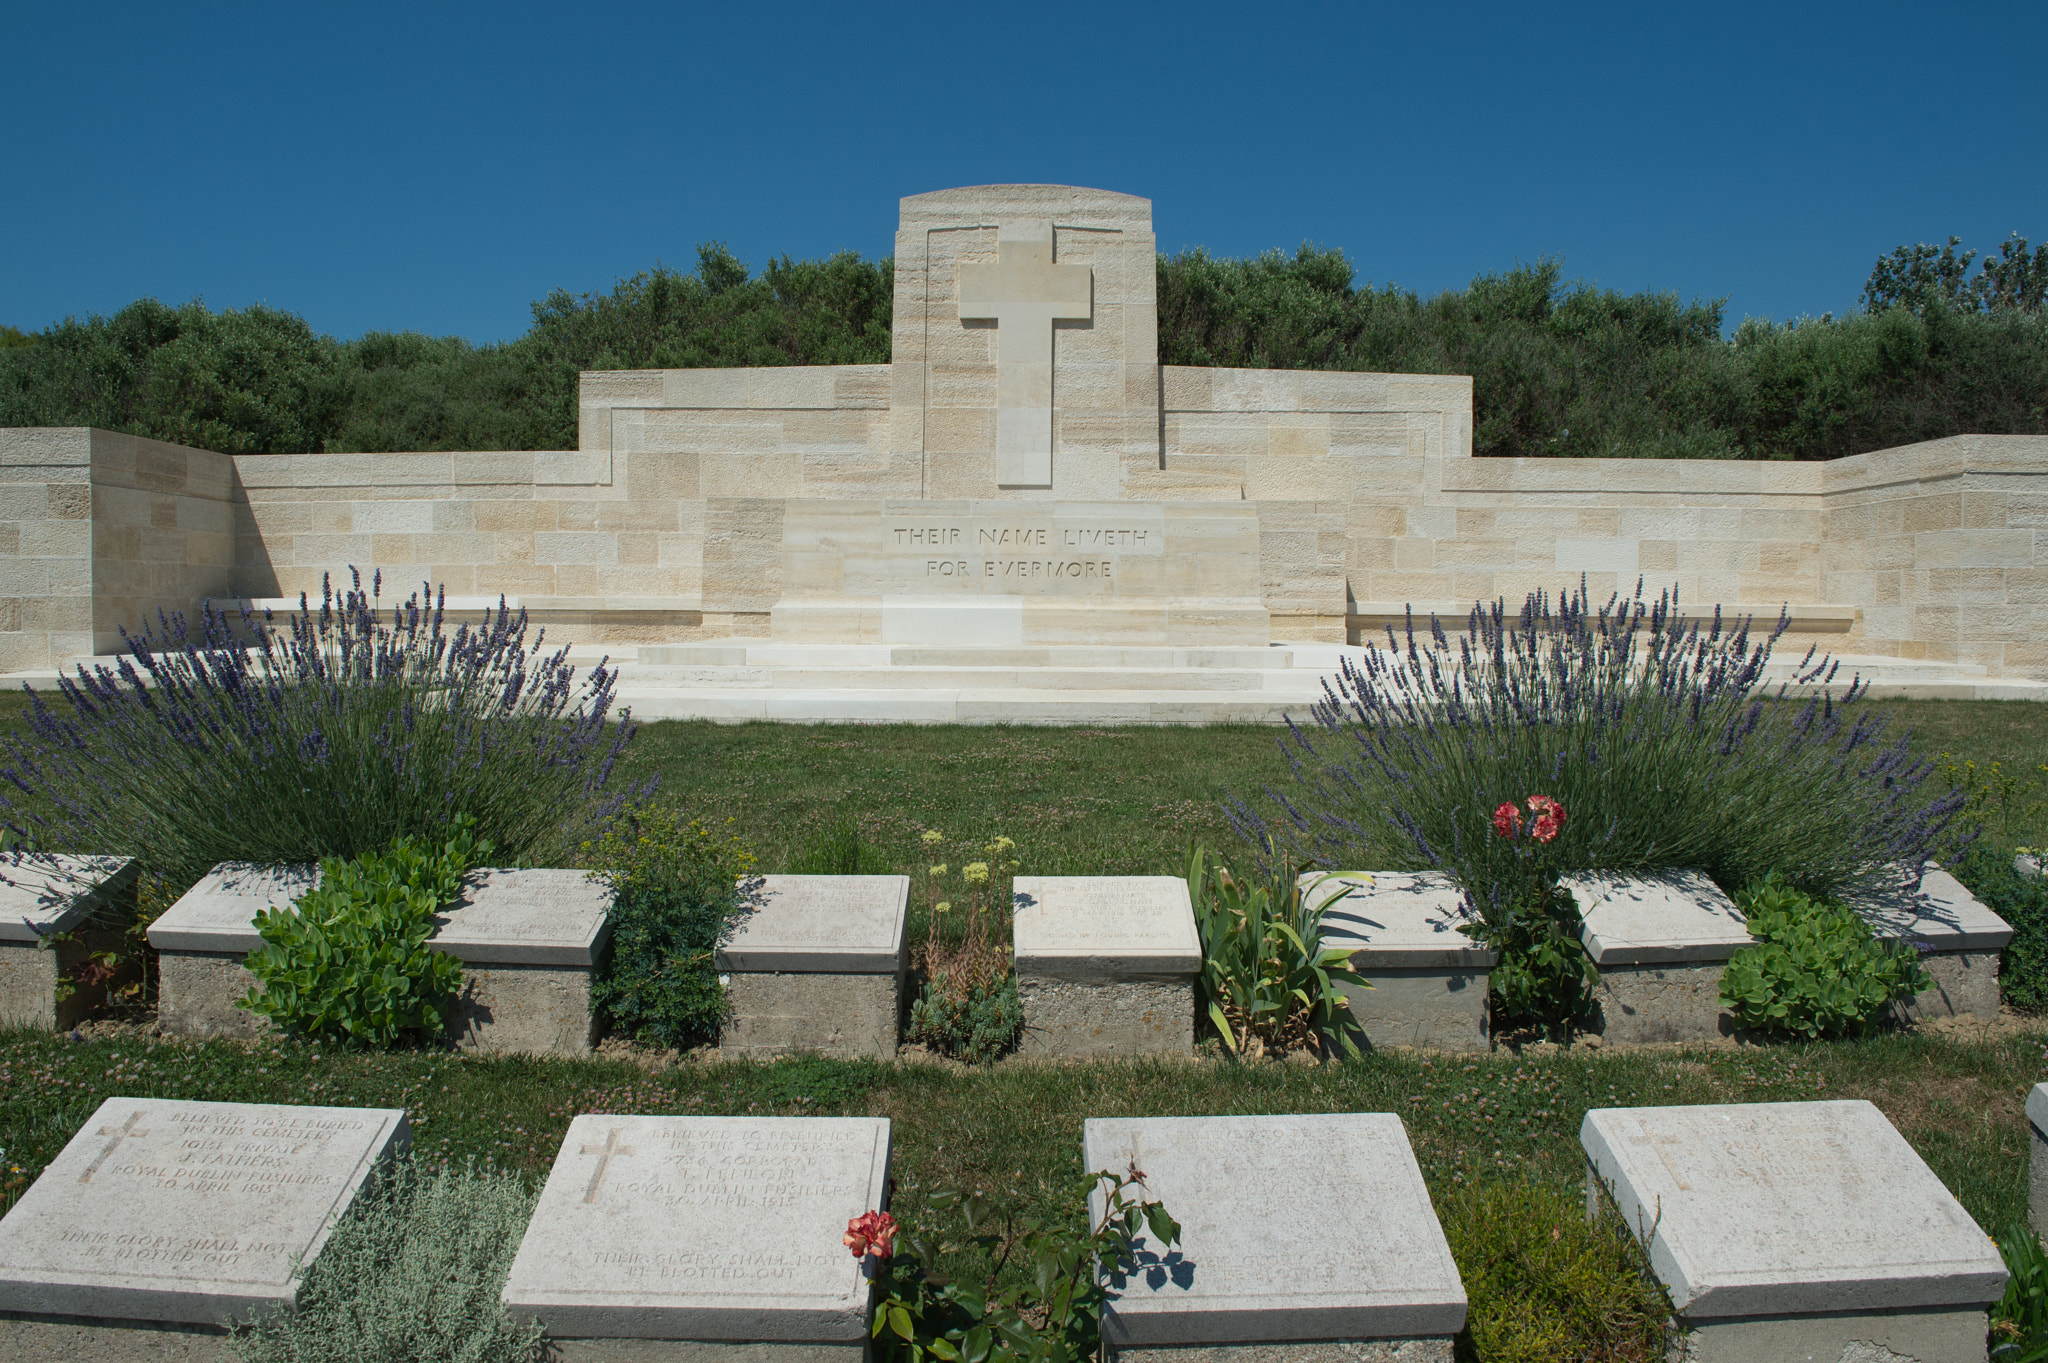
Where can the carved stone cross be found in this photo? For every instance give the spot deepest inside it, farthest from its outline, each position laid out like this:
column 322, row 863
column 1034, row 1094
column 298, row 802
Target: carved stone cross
column 610, row 1147
column 1025, row 292
column 118, row 1133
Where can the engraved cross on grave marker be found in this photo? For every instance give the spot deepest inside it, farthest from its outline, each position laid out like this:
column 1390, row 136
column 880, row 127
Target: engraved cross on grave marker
column 118, row 1133
column 1025, row 292
column 610, row 1147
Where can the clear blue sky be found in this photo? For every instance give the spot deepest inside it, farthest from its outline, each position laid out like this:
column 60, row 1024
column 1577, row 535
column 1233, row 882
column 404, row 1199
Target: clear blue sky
column 437, row 167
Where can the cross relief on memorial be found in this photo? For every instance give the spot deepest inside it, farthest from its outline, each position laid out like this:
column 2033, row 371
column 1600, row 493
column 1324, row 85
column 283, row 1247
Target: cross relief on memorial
column 1024, row 292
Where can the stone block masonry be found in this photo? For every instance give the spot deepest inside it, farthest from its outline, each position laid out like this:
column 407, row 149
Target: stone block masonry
column 817, row 967
column 664, row 1239
column 2037, row 1158
column 1661, row 943
column 1372, row 1278
column 1797, row 1230
column 165, row 1213
column 528, row 941
column 1106, row 965
column 1428, row 980
column 76, row 899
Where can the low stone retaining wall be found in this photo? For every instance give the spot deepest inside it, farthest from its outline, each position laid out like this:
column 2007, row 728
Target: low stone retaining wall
column 66, row 897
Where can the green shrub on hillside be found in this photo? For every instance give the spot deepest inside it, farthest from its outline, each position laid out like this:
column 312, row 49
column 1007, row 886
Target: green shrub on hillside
column 1559, row 368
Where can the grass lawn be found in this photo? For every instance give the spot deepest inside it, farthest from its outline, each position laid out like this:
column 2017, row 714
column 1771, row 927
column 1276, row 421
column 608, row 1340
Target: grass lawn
column 1081, row 801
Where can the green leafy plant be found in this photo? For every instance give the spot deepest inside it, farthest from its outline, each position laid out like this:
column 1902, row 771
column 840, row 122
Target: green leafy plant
column 1544, row 978
column 349, row 961
column 2019, row 1322
column 1269, row 984
column 2007, row 805
column 411, row 1274
column 1053, row 1316
column 1987, row 870
column 967, row 1006
column 1817, row 970
column 679, row 889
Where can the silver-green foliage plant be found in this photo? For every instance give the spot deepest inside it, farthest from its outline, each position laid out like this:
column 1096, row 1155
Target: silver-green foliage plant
column 349, row 963
column 1267, row 980
column 411, row 1274
column 1817, row 969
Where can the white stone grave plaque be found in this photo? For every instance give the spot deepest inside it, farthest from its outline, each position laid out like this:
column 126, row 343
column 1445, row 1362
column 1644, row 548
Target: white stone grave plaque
column 1938, row 915
column 1397, row 920
column 1644, row 919
column 1105, row 926
column 190, row 1212
column 219, row 913
column 847, row 925
column 703, row 1228
column 526, row 917
column 1781, row 1209
column 1366, row 1261
column 43, row 893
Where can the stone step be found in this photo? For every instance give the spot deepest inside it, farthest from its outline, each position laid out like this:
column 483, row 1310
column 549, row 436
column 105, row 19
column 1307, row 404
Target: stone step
column 744, row 653
column 736, row 705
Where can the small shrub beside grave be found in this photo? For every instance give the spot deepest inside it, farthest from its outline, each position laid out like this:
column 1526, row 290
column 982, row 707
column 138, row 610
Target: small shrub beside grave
column 678, row 890
column 411, row 1271
column 1817, row 970
column 968, row 1006
column 349, row 963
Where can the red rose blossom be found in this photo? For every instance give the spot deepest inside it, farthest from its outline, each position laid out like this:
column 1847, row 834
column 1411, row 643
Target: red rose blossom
column 1507, row 821
column 871, row 1233
column 1549, row 820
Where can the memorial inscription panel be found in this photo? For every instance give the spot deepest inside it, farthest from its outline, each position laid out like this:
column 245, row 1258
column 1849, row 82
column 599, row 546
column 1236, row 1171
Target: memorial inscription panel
column 1373, row 1265
column 1019, row 553
column 1139, row 923
column 187, row 1212
column 1732, row 1194
column 703, row 1228
column 822, row 923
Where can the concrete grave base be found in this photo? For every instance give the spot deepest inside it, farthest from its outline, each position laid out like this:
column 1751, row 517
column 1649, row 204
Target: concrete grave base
column 503, row 1009
column 1344, row 1351
column 28, row 985
column 79, row 1339
column 1670, row 1002
column 1964, row 982
column 1439, row 1009
column 1870, row 1337
column 524, row 1010
column 1107, row 1017
column 688, row 1351
column 817, row 1014
column 196, row 993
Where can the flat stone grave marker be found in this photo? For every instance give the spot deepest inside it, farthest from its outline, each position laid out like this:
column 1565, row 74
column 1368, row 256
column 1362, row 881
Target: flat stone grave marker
column 42, row 895
column 1369, row 1264
column 707, row 1229
column 1429, row 984
column 1106, row 964
column 1959, row 940
column 161, row 1210
column 528, row 941
column 1817, row 1214
column 1661, row 942
column 817, row 967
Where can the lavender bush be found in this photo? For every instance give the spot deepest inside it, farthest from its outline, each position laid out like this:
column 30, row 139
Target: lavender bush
column 1658, row 738
column 329, row 733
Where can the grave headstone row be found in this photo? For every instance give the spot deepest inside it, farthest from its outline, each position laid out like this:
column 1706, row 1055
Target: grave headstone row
column 1780, row 1230
column 1105, row 965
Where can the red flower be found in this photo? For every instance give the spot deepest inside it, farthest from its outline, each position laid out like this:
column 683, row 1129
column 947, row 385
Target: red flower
column 871, row 1233
column 1506, row 820
column 1549, row 821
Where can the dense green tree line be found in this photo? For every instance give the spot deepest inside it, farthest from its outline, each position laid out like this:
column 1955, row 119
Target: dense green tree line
column 1559, row 368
